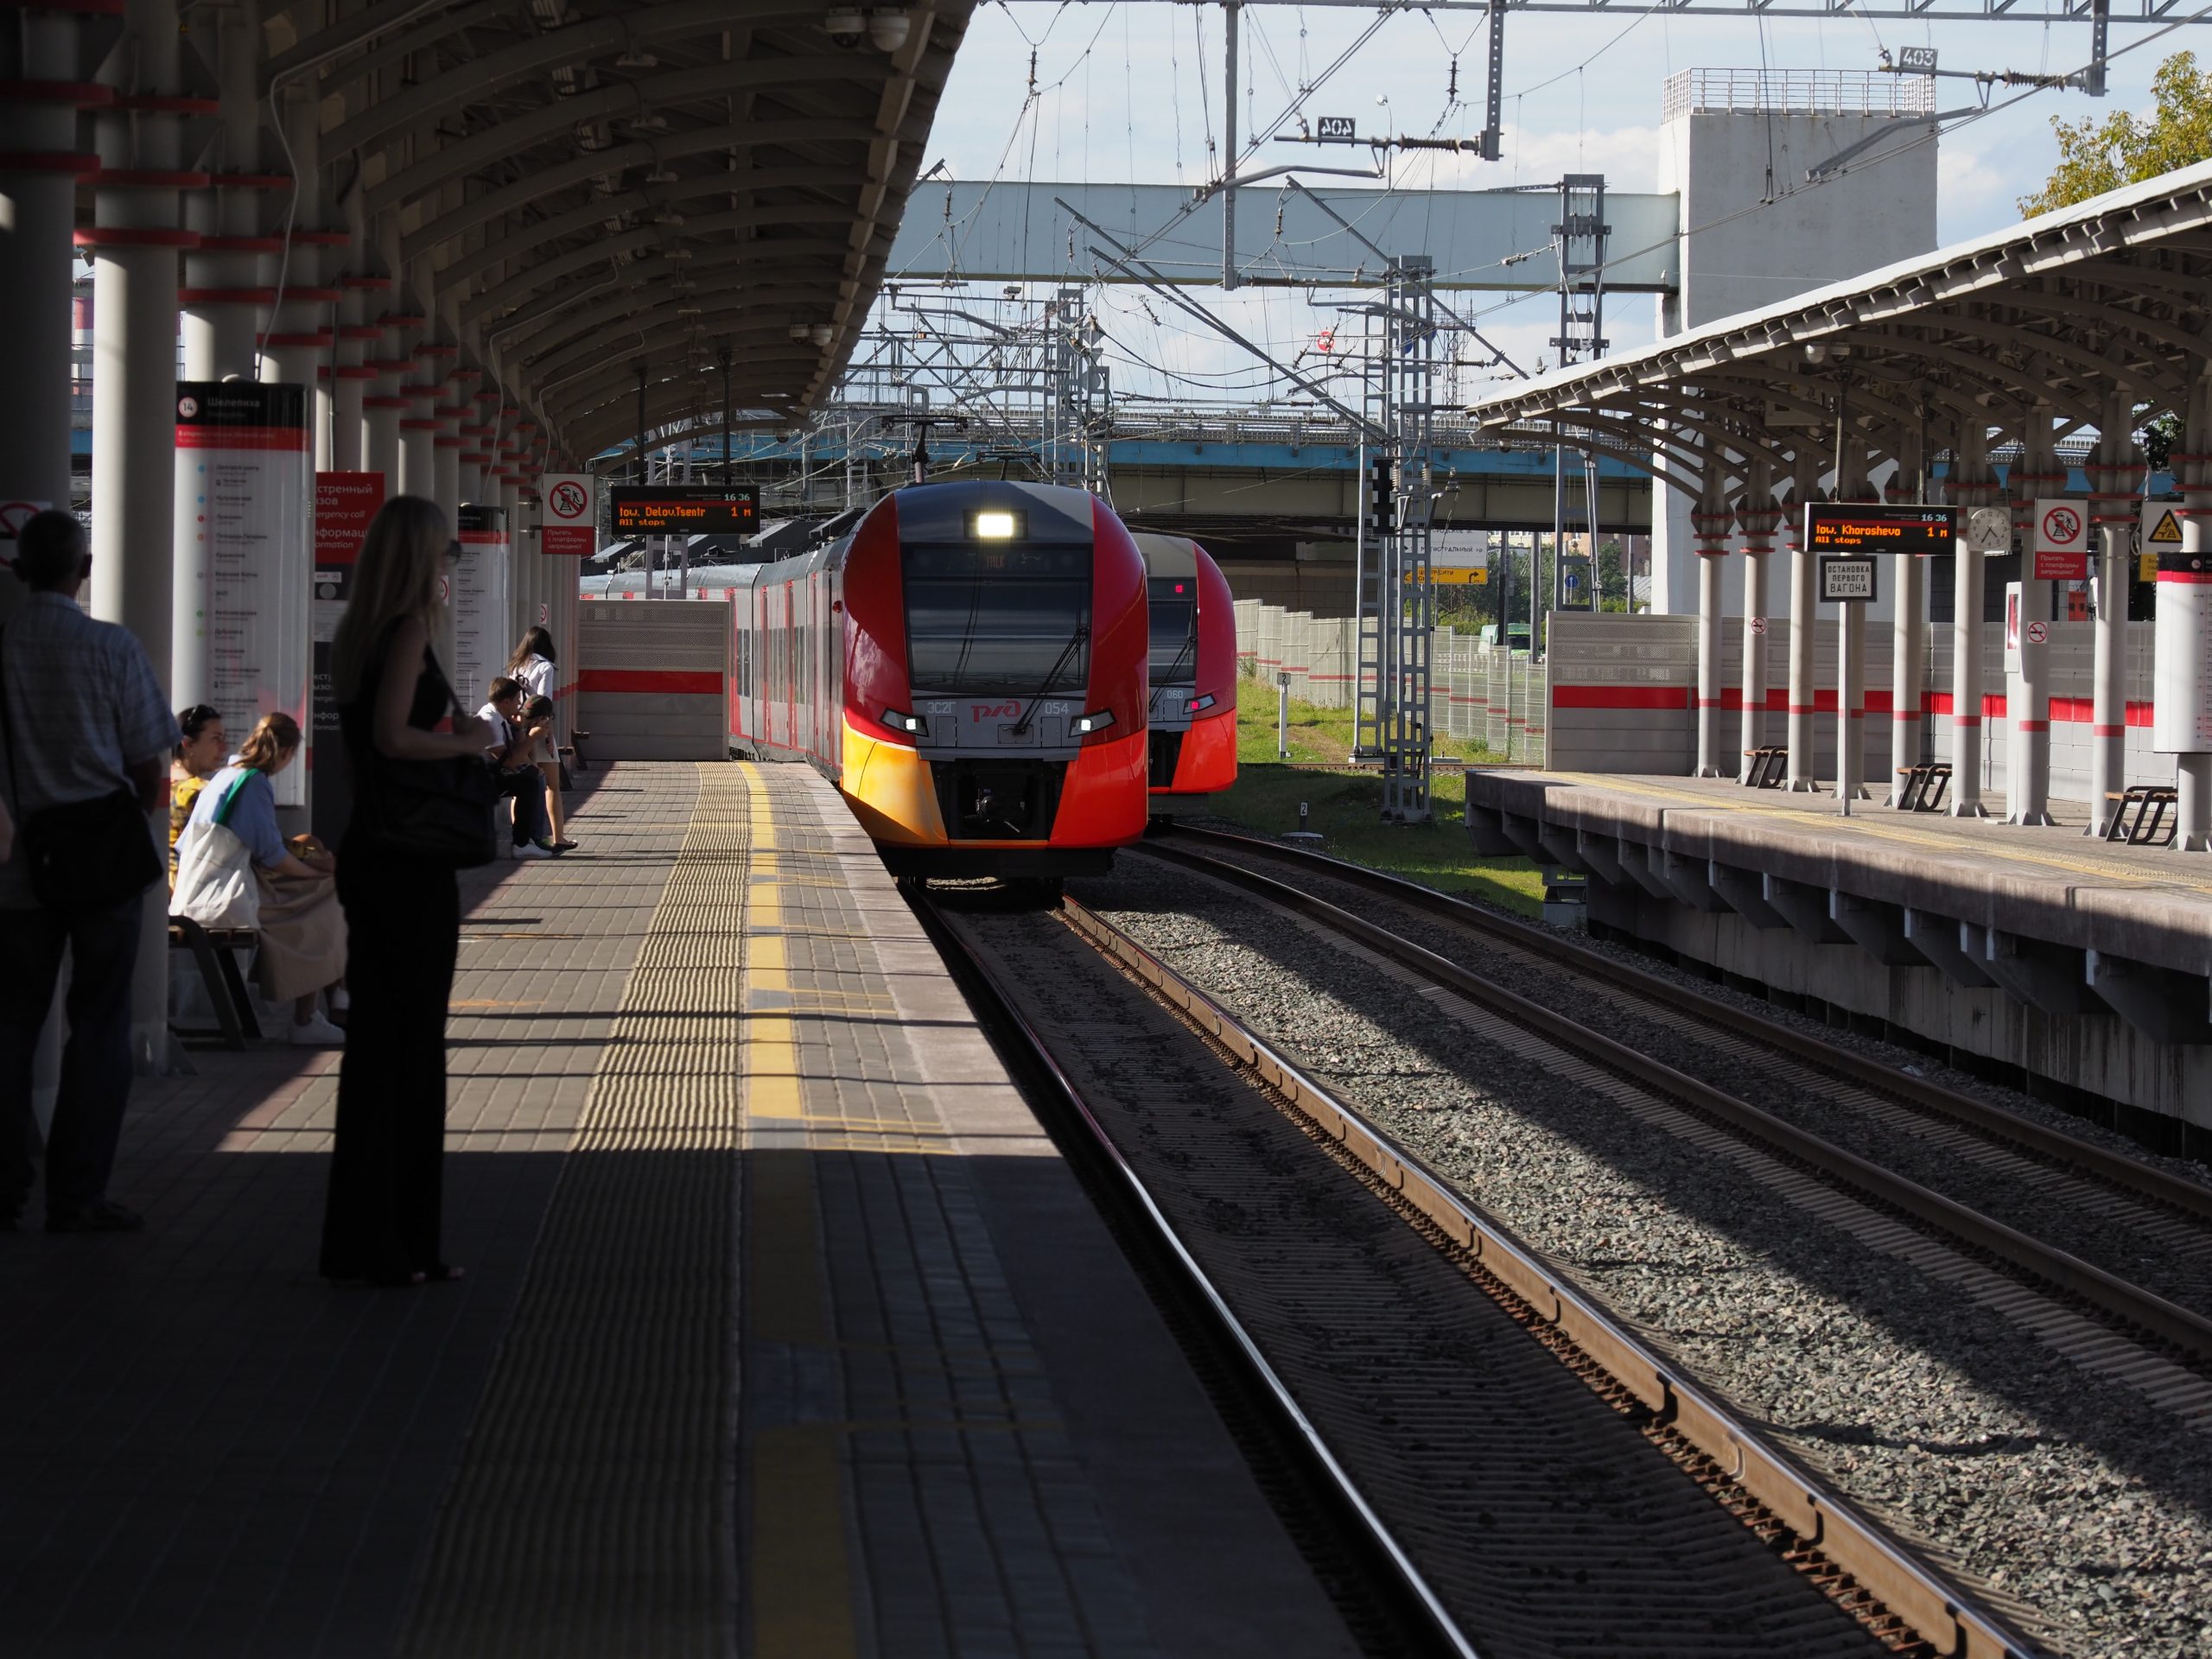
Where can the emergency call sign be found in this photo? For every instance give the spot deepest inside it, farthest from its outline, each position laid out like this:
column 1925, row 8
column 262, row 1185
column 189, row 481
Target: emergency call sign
column 1872, row 527
column 686, row 509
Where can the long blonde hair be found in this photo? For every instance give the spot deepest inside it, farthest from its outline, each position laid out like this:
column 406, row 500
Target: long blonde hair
column 395, row 576
column 276, row 736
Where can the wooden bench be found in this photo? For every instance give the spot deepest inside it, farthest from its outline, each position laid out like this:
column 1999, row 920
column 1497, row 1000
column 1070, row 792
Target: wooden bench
column 1923, row 787
column 215, row 955
column 2149, row 826
column 1769, row 768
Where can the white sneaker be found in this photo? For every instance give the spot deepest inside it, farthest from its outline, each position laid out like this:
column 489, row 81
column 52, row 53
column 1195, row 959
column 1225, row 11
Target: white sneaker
column 532, row 849
column 318, row 1033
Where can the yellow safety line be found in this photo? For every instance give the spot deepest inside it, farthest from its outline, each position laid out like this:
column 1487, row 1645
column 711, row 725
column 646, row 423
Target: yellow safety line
column 772, row 1073
column 2105, row 869
column 800, row 1582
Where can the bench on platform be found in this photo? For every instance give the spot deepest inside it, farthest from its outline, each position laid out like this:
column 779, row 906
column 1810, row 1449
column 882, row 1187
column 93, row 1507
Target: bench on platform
column 1767, row 769
column 1923, row 787
column 214, row 954
column 2148, row 827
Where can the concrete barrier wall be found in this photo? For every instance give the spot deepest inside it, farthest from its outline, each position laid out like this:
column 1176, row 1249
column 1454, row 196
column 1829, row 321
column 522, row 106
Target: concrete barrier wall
column 653, row 680
column 2073, row 692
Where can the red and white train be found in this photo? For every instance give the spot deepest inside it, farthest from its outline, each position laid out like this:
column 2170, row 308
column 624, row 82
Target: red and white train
column 1192, row 750
column 969, row 667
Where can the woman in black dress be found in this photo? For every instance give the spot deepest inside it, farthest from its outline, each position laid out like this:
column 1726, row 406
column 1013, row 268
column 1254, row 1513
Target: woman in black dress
column 403, row 914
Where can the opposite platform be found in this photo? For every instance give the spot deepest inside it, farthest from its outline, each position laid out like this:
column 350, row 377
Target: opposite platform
column 786, row 1332
column 2080, row 961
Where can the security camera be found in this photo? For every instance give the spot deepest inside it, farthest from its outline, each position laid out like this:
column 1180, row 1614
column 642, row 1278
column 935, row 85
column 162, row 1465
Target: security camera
column 844, row 26
column 887, row 26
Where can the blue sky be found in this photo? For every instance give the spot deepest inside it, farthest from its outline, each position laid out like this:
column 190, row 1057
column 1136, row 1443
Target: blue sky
column 1132, row 91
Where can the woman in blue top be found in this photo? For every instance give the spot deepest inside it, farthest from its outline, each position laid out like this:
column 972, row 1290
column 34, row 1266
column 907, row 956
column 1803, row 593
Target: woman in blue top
column 302, row 928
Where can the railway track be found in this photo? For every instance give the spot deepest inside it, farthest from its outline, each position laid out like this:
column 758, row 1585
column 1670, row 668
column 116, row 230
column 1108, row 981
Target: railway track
column 2137, row 1215
column 1534, row 1507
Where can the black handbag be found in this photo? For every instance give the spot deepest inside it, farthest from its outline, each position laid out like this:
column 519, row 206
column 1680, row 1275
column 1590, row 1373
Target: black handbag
column 82, row 855
column 435, row 812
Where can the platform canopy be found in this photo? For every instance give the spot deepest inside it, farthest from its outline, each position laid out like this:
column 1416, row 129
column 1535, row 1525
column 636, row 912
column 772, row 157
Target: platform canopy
column 2089, row 317
column 574, row 187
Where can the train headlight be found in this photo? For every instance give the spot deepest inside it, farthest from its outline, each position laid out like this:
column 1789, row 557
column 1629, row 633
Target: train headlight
column 995, row 524
column 913, row 725
column 1085, row 725
column 1198, row 705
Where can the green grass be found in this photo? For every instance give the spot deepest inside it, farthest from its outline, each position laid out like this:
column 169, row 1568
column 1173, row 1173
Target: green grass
column 1346, row 806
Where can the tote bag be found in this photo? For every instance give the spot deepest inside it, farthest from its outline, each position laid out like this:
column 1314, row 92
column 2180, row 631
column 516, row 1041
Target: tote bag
column 215, row 883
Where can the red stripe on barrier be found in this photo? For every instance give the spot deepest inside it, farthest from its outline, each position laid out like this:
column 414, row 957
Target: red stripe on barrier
column 1620, row 697
column 666, row 682
column 2107, row 731
column 2034, row 726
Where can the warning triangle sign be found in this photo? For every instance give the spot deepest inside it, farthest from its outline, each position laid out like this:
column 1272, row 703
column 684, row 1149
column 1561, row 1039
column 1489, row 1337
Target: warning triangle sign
column 2167, row 531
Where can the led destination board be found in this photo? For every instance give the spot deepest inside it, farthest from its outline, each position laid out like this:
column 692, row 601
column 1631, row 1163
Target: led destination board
column 1869, row 527
column 686, row 510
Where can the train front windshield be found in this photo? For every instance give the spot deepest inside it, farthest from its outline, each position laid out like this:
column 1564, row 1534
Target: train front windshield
column 998, row 618
column 1174, row 604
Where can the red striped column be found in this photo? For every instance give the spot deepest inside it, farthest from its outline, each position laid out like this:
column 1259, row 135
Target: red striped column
column 384, row 402
column 458, row 385
column 1970, row 488
column 1709, row 527
column 2115, row 509
column 2181, row 701
column 1804, row 595
column 2027, row 694
column 351, row 378
column 1758, row 522
column 42, row 159
column 418, row 426
column 1907, row 634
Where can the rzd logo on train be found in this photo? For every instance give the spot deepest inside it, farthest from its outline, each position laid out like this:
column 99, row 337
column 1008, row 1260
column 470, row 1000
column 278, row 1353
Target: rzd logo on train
column 993, row 711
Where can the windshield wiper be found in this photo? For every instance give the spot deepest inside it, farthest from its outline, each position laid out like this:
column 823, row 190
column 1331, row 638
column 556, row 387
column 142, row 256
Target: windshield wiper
column 1075, row 643
column 1190, row 644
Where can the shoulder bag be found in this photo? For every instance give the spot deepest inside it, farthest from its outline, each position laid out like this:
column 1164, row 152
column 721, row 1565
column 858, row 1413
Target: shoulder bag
column 432, row 812
column 215, row 882
column 82, row 855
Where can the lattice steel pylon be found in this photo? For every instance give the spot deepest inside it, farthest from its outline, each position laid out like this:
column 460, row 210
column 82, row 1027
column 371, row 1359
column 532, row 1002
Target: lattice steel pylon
column 1397, row 598
column 1076, row 441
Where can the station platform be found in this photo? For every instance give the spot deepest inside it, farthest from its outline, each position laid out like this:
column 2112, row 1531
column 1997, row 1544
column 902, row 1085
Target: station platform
column 2082, row 962
column 786, row 1332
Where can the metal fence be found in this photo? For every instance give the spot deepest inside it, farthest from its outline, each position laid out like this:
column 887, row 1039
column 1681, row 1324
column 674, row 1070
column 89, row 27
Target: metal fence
column 1478, row 695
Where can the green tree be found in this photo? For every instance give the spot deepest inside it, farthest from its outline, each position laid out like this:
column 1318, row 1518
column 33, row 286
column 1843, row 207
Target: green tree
column 2095, row 156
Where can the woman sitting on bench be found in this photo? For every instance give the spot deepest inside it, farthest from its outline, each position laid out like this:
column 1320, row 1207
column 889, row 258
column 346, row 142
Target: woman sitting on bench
column 301, row 928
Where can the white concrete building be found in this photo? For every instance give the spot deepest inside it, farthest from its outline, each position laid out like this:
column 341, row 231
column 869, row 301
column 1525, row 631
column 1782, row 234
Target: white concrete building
column 1736, row 145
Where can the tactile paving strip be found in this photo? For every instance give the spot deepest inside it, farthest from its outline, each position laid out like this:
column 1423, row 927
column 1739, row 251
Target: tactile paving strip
column 591, row 1511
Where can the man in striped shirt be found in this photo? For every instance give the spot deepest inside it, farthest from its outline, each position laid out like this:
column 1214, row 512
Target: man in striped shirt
column 85, row 718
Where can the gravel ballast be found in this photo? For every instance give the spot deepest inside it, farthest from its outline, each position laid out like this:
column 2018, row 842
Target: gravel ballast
column 2066, row 1493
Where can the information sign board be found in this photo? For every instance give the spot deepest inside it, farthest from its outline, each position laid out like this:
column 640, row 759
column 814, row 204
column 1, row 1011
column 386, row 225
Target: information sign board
column 479, row 604
column 1846, row 580
column 244, row 484
column 686, row 509
column 1872, row 527
column 1460, row 556
column 344, row 503
column 569, row 515
column 2060, row 537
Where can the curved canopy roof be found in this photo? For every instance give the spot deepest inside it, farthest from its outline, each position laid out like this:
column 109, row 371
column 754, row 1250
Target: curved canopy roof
column 2097, row 315
column 571, row 187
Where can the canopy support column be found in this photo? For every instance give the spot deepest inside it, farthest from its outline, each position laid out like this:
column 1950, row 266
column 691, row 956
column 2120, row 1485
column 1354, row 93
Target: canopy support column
column 2112, row 514
column 1711, row 522
column 1970, row 487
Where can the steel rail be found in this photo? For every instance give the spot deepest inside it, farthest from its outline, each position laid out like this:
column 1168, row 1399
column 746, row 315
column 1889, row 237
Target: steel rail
column 2111, row 1295
column 1033, row 1041
column 1942, row 1612
column 2138, row 1179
